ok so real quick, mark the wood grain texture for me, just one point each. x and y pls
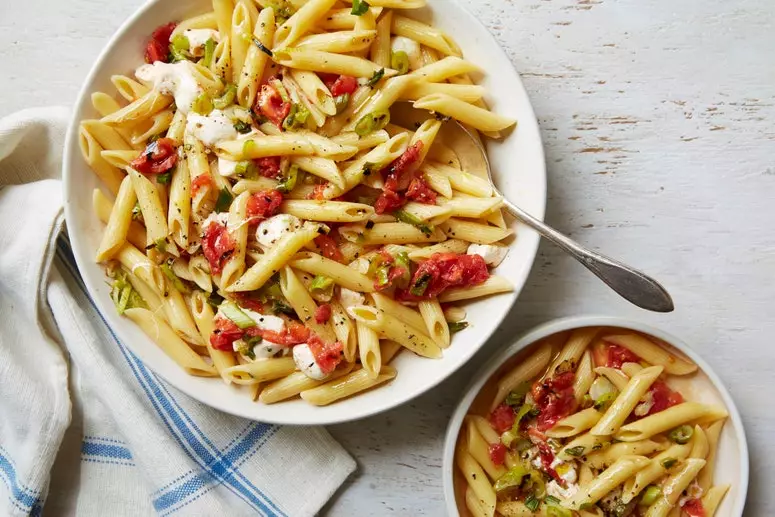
(657, 121)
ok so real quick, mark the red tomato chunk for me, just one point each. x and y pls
(323, 313)
(225, 334)
(502, 418)
(158, 47)
(329, 248)
(263, 205)
(271, 105)
(497, 453)
(555, 399)
(327, 355)
(445, 270)
(217, 246)
(269, 167)
(694, 508)
(420, 191)
(618, 355)
(663, 397)
(157, 157)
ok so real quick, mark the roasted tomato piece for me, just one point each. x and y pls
(225, 334)
(327, 355)
(157, 157)
(329, 248)
(263, 205)
(158, 47)
(217, 246)
(271, 105)
(420, 191)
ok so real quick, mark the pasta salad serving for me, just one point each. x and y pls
(274, 217)
(592, 422)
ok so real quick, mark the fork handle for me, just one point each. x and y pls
(633, 285)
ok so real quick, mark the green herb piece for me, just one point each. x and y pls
(575, 451)
(681, 434)
(224, 200)
(249, 147)
(531, 503)
(402, 262)
(278, 85)
(421, 284)
(517, 396)
(359, 7)
(209, 53)
(605, 401)
(281, 307)
(371, 122)
(587, 402)
(160, 244)
(558, 511)
(406, 217)
(164, 178)
(242, 127)
(179, 48)
(321, 283)
(550, 499)
(650, 495)
(297, 117)
(528, 410)
(245, 169)
(457, 326)
(245, 347)
(227, 99)
(235, 314)
(399, 61)
(668, 463)
(177, 283)
(262, 47)
(289, 181)
(515, 477)
(377, 77)
(341, 102)
(202, 105)
(383, 275)
(124, 295)
(214, 299)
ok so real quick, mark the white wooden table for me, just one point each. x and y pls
(657, 118)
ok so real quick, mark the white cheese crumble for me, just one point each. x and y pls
(212, 128)
(493, 255)
(176, 79)
(226, 167)
(553, 488)
(305, 361)
(271, 230)
(412, 49)
(221, 218)
(197, 39)
(350, 299)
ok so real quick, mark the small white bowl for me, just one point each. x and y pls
(732, 464)
(517, 161)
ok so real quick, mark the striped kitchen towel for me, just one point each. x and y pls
(85, 427)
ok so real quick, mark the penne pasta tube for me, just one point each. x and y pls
(657, 468)
(115, 234)
(523, 372)
(674, 486)
(141, 109)
(355, 382)
(92, 154)
(287, 144)
(260, 371)
(474, 232)
(626, 401)
(128, 88)
(326, 62)
(460, 180)
(255, 59)
(103, 207)
(368, 347)
(435, 322)
(575, 424)
(156, 329)
(602, 459)
(406, 314)
(392, 328)
(425, 34)
(613, 476)
(328, 211)
(151, 208)
(712, 498)
(471, 207)
(478, 448)
(464, 92)
(204, 318)
(469, 114)
(341, 42)
(653, 353)
(448, 246)
(345, 331)
(668, 419)
(585, 376)
(448, 67)
(493, 285)
(341, 274)
(301, 22)
(293, 384)
(387, 233)
(712, 433)
(304, 305)
(586, 443)
(476, 479)
(617, 377)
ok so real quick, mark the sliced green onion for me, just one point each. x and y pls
(359, 7)
(668, 463)
(249, 147)
(371, 122)
(164, 178)
(377, 77)
(179, 48)
(235, 314)
(399, 61)
(557, 511)
(406, 217)
(605, 400)
(512, 478)
(177, 283)
(341, 102)
(421, 285)
(457, 326)
(245, 169)
(297, 117)
(550, 499)
(681, 434)
(321, 283)
(224, 200)
(531, 503)
(650, 495)
(517, 396)
(525, 410)
(227, 99)
(242, 127)
(123, 294)
(383, 275)
(209, 52)
(278, 85)
(161, 244)
(402, 262)
(202, 105)
(575, 451)
(246, 347)
(290, 180)
(281, 307)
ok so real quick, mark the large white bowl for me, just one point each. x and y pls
(518, 162)
(732, 465)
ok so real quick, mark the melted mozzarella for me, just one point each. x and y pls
(226, 167)
(176, 79)
(492, 255)
(305, 361)
(267, 349)
(212, 128)
(412, 49)
(271, 230)
(221, 218)
(198, 37)
(266, 321)
(554, 489)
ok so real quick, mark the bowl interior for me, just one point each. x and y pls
(517, 161)
(703, 386)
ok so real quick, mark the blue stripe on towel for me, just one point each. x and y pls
(218, 466)
(116, 452)
(20, 496)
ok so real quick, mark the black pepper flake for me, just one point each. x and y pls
(369, 225)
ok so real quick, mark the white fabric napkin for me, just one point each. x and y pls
(85, 427)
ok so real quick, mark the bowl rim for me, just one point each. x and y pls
(567, 323)
(82, 261)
